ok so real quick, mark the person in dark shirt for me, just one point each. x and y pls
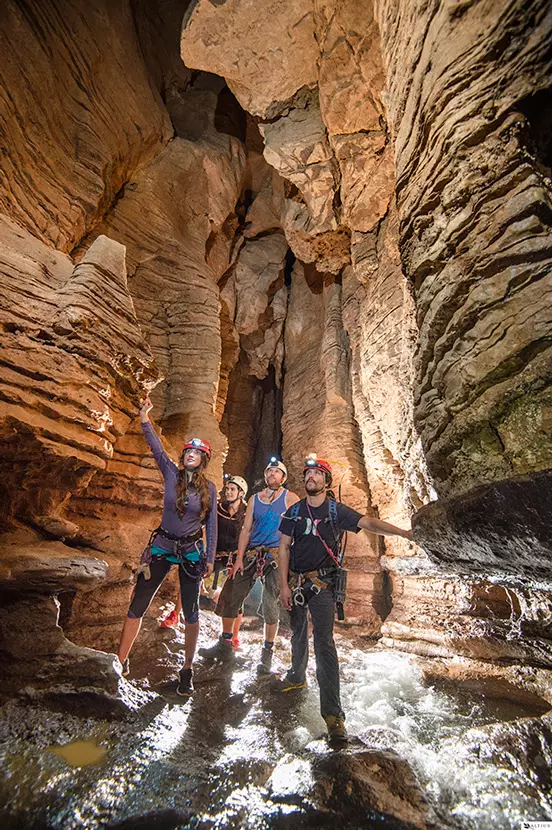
(189, 505)
(309, 572)
(230, 515)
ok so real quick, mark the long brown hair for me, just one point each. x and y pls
(198, 482)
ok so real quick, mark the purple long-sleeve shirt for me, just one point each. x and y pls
(190, 522)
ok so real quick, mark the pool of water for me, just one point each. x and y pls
(240, 756)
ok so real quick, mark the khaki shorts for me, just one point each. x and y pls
(236, 590)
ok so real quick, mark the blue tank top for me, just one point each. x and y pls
(266, 521)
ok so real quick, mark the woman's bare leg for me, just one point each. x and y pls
(128, 635)
(191, 632)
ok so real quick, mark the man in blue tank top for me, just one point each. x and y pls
(257, 556)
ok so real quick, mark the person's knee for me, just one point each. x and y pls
(324, 643)
(270, 613)
(138, 608)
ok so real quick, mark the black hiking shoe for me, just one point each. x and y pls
(185, 687)
(222, 650)
(265, 665)
(126, 668)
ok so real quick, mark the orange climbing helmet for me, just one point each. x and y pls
(198, 444)
(312, 462)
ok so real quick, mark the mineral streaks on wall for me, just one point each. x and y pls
(378, 313)
(75, 366)
(318, 417)
(473, 193)
(170, 212)
(79, 114)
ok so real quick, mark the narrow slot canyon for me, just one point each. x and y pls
(311, 227)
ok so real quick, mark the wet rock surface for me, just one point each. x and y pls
(502, 529)
(241, 755)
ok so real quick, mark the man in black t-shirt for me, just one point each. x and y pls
(309, 573)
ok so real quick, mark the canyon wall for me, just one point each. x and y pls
(417, 175)
(471, 129)
(125, 162)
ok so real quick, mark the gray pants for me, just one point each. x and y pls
(322, 610)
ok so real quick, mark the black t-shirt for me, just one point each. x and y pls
(307, 551)
(229, 527)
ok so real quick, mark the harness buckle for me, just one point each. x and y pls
(298, 596)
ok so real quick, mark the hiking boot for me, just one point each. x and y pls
(287, 685)
(170, 620)
(126, 668)
(185, 687)
(336, 728)
(265, 665)
(222, 650)
(235, 643)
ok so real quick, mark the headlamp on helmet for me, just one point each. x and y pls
(240, 482)
(312, 462)
(198, 444)
(275, 464)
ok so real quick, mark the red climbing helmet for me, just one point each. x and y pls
(312, 462)
(198, 444)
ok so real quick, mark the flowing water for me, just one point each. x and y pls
(239, 755)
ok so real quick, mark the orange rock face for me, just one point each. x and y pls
(76, 367)
(353, 262)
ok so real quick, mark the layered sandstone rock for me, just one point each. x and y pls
(443, 616)
(230, 39)
(171, 212)
(320, 110)
(36, 656)
(473, 199)
(378, 314)
(78, 465)
(75, 368)
(78, 121)
(318, 417)
(377, 372)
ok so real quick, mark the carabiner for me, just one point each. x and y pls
(298, 597)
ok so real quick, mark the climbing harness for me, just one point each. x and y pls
(264, 564)
(193, 570)
(300, 590)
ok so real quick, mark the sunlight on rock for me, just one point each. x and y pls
(291, 777)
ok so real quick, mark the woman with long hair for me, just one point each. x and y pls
(230, 514)
(189, 504)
